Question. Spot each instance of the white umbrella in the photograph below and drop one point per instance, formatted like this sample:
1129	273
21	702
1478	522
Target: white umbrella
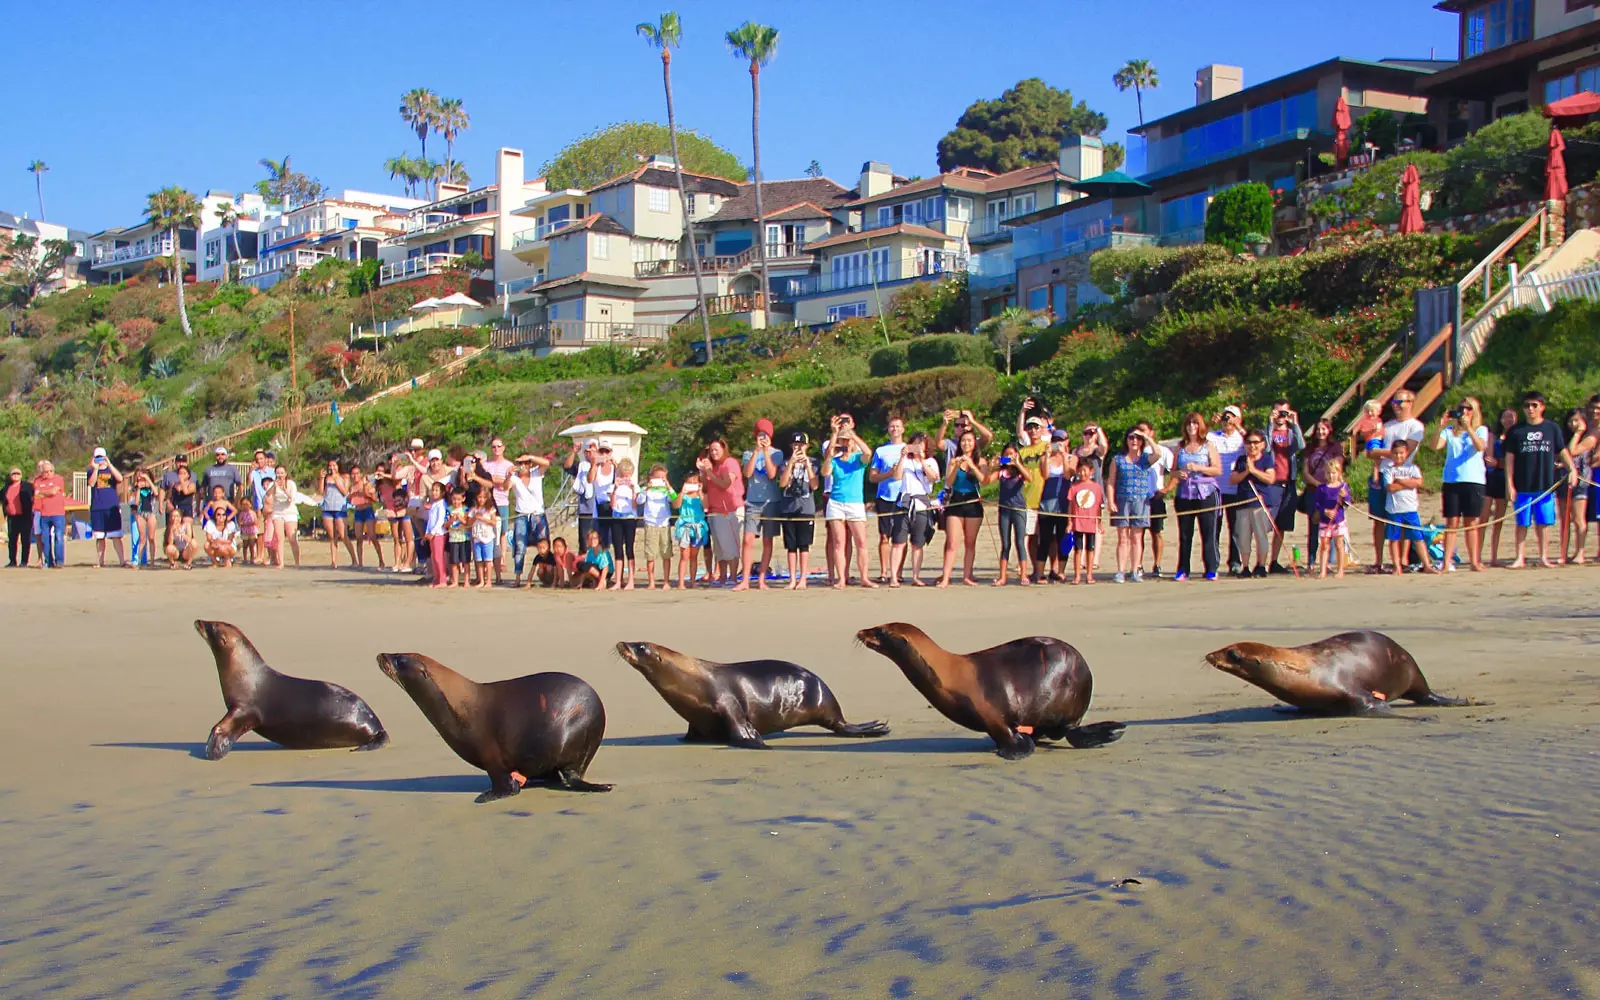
458	299
428	304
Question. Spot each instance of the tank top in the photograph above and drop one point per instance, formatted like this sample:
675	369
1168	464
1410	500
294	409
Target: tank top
184	502
964	482
1134	479
1197	486
603	481
147	500
1011	491
361	495
333	499
1054	491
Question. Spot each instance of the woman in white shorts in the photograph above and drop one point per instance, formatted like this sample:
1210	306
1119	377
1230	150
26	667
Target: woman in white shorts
286	511
846	511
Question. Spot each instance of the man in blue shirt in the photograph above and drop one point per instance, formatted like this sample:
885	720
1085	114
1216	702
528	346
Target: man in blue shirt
761	466
894	529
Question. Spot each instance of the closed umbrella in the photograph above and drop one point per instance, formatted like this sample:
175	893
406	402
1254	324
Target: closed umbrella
1411	200
1341	132
1555	168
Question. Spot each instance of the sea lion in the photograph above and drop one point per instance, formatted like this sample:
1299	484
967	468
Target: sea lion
1353	673
292	712
1020	692
738	703
542	727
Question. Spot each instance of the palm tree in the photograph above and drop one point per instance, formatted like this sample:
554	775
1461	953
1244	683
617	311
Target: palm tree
758	43
1141	76
419	108
448	173
172	209
665	35
38	169
452	121
280	181
1007	329
400	167
227	215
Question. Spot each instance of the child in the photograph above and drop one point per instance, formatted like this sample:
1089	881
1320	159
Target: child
458	538
180	547
692	531
270	539
222	536
553	563
1085	499
436	531
655	509
1400	481
1331	498
596	566
544	564
485	531
624	523
248	553
405	549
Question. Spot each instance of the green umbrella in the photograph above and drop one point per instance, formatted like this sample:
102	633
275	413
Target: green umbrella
1115	184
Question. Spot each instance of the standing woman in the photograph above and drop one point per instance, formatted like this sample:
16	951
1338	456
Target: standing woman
145	502
1013	476
1322	447
1092	451
918	472
1130	481
1592	487
286	510
723	483
1194	480
1575	499
105	508
19	517
963	508
1495	485
846	512
602	476
1464	440
1057	469
798	508
335	489
364	515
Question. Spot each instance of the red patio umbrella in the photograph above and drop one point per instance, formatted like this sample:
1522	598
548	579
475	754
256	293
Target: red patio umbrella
1341	132
1580	105
1411	200
1555	168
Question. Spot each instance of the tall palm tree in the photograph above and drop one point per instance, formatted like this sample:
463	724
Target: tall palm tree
172	209
666	35
1139	74
279	182
419	108
227	215
452	121
448	173
758	43
38	168
400	167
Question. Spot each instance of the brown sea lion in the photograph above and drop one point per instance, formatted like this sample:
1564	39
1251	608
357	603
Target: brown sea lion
1021	692
738	703
542	727
1353	673
292	712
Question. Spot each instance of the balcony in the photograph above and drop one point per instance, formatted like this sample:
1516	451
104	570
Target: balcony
518	286
989	228
928	264
105	256
419	266
576	334
1291	119
681	266
538	234
417	225
727	305
266	271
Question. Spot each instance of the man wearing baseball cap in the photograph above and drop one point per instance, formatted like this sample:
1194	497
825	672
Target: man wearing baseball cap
1229	440
220	473
762	466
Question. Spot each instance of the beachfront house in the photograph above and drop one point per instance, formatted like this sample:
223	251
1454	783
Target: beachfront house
350	227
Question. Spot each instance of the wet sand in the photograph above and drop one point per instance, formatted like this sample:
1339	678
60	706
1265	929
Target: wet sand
1270	855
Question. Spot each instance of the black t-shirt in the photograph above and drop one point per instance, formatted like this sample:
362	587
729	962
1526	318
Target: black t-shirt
1253	488
1534	448
544	559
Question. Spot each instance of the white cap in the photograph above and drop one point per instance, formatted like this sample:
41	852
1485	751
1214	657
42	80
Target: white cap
1233	410
416	442
435	453
99	453
221	450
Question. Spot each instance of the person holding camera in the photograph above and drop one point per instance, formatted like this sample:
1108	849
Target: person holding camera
1013	476
762	466
846	512
1057	466
723	482
963	509
1286	442
105	507
798	507
893	527
961	421
918	472
1464	440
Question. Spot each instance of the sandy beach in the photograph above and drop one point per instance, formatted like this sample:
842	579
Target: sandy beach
1220	849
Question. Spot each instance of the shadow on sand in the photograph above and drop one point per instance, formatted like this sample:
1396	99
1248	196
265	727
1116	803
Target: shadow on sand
1263	713
196	750
432	783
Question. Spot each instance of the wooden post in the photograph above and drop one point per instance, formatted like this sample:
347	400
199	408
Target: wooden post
294	383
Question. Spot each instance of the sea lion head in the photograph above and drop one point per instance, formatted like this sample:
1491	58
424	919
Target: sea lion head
1250	661
892	638
409	670
645	657
228	644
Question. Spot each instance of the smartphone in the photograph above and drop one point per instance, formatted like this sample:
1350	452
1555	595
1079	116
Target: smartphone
1005	460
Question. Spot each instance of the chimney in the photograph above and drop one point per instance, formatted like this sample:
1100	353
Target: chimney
662	162
1217	81
508	195
876	178
1081	156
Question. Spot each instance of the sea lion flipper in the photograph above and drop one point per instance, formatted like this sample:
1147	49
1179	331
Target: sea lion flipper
877	727
573	780
1010	744
1096	735
230	727
378	742
743	735
1434	698
501	786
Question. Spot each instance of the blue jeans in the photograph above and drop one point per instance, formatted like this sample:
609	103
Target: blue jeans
526	530
53	546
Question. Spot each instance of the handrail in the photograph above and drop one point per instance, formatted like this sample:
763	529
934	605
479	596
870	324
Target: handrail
1495	255
1410	368
1361	380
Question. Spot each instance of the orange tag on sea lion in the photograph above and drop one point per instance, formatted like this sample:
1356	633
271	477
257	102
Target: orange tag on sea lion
1380	696
518	778
1025	729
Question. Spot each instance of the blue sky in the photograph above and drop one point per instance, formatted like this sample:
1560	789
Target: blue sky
117	110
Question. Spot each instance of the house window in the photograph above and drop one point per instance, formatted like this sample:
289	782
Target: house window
931	208
213	253
847	310
602	247
913	212
691	204
885	216
1024	203
658	199
1038	298
555	311
1495	25
960	209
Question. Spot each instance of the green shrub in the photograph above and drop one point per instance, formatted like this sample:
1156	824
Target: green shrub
948	349
1136	271
1552	352
931	306
1374	193
886	361
1238	211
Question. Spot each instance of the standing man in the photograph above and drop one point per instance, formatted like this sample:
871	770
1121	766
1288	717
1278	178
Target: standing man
1287	442
894	528
1229	442
577	467
762	466
1161	462
960	421
220	473
1404	427
498	470
50	503
1034	434
1531	450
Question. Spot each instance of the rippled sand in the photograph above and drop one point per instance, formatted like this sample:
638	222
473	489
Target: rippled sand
1220	849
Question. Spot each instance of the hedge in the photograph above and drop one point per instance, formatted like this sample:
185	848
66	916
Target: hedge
886	361
948	349
1136	271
